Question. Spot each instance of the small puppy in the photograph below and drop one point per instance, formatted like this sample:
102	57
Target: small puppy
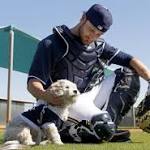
28	127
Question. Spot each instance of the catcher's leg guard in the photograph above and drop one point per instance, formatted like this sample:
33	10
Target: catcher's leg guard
79	133
98	129
126	89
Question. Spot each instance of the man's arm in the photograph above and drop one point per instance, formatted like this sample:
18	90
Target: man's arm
124	59
35	87
40	71
140	68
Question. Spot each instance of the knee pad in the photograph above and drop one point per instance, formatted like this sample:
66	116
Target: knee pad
103	126
118	106
127	80
124	95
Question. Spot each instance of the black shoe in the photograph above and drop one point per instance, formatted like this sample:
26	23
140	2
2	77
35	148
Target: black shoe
121	136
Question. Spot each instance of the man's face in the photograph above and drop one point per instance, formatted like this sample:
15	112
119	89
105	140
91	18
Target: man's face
88	33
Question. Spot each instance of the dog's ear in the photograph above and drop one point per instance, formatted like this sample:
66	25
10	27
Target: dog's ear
59	92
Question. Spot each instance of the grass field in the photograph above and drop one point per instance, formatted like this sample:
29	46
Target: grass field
140	141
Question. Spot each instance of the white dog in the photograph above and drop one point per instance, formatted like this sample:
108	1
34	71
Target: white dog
27	128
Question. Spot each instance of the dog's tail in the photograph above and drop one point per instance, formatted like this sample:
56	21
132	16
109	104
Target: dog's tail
13	145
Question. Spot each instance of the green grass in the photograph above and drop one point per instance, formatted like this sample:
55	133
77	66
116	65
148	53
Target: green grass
140	141
1	137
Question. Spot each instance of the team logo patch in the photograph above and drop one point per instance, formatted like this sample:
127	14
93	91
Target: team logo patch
100	27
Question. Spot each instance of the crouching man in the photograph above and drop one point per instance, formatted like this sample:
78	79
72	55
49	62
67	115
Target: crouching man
80	55
96	118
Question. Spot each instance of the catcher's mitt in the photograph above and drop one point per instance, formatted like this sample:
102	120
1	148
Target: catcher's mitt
143	113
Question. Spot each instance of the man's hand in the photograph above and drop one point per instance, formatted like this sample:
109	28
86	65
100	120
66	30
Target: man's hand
143	112
35	87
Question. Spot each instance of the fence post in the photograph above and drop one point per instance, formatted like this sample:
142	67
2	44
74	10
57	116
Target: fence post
10	71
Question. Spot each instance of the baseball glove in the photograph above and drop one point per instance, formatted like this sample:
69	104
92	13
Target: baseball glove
143	113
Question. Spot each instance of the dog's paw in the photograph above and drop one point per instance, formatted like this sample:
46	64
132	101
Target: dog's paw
30	143
59	142
11	142
45	142
10	145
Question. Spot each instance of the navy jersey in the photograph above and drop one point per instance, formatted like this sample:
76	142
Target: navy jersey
48	66
41	114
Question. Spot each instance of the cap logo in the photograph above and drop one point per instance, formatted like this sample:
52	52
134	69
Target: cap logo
100	27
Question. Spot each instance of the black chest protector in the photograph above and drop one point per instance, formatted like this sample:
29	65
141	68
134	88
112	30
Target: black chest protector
80	63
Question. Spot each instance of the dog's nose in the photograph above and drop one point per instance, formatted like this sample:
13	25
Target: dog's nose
75	91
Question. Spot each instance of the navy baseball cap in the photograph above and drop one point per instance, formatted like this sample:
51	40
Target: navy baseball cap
100	17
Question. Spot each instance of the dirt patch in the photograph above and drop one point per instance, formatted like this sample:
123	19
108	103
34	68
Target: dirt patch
132	129
135	130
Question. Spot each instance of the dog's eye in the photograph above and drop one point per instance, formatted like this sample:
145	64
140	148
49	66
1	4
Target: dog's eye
67	87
